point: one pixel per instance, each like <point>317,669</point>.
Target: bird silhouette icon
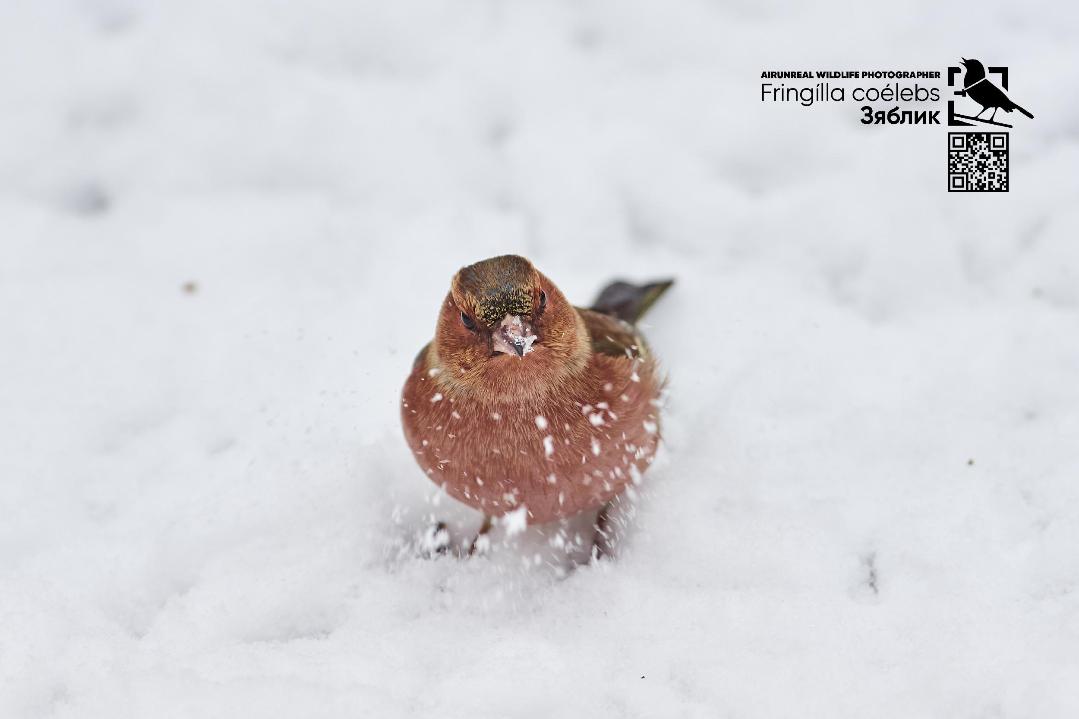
<point>977,87</point>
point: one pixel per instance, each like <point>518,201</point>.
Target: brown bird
<point>524,401</point>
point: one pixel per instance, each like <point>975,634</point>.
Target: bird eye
<point>468,321</point>
<point>543,299</point>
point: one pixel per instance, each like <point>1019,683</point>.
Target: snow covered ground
<point>225,230</point>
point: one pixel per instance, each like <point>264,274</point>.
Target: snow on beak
<point>513,336</point>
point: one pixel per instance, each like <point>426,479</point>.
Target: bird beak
<point>963,61</point>
<point>513,336</point>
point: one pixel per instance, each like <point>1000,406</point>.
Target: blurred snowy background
<point>225,231</point>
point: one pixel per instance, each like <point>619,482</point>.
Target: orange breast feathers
<point>557,457</point>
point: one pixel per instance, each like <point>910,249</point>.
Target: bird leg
<point>994,115</point>
<point>980,113</point>
<point>601,540</point>
<point>481,535</point>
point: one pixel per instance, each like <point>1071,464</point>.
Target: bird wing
<point>613,337</point>
<point>989,95</point>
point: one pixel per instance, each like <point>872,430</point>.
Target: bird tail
<point>1023,111</point>
<point>627,301</point>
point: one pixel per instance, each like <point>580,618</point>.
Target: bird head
<point>505,329</point>
<point>973,67</point>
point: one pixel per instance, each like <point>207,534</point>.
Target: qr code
<point>977,162</point>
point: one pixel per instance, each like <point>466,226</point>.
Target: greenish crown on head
<point>497,287</point>
<point>496,304</point>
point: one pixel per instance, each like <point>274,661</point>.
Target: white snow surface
<point>227,229</point>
